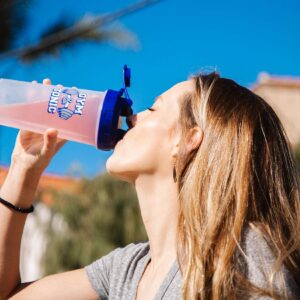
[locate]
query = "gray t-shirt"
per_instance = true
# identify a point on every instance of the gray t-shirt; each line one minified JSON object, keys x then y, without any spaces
{"x":116,"y":275}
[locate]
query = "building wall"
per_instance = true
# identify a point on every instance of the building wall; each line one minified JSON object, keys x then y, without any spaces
{"x":34,"y":243}
{"x":284,"y":97}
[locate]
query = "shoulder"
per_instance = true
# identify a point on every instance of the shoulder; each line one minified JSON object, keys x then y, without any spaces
{"x":123,"y":255}
{"x":129,"y":253}
{"x":260,"y":262}
{"x":258,"y":256}
{"x":256,"y":247}
{"x":113,"y":269}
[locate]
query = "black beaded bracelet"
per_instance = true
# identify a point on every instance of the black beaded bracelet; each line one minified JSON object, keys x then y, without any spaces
{"x":16,"y":208}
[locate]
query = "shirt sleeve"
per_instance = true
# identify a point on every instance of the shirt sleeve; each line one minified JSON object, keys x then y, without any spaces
{"x":99,"y":271}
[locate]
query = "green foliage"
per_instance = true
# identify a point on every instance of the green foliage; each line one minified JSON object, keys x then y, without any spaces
{"x":104,"y":215}
{"x":297,"y":156}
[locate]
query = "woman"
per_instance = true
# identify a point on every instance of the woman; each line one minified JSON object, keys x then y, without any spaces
{"x":218,"y":192}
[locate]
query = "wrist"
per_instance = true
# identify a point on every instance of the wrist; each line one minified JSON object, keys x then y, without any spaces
{"x":26,"y":167}
{"x":24,"y":173}
{"x":20,"y":185}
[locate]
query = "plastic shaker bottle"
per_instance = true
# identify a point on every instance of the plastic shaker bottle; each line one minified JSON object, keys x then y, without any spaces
{"x":86,"y":116}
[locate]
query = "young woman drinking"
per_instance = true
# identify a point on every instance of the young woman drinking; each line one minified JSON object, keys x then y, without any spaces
{"x":219,"y":197}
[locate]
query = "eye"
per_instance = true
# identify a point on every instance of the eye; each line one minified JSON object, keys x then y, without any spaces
{"x":150,"y":109}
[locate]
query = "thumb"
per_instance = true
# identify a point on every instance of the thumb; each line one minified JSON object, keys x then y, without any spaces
{"x":50,"y":138}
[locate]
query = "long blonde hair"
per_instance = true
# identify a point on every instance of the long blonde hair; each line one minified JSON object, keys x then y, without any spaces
{"x":243,"y":173}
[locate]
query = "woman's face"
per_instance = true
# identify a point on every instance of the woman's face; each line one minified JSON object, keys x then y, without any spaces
{"x":149,"y":147}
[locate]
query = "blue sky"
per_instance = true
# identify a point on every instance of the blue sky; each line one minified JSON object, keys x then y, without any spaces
{"x":240,"y":39}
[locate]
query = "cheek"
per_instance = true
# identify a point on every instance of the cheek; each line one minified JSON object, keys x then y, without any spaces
{"x":144,"y":148}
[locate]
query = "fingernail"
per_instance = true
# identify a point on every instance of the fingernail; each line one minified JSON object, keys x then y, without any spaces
{"x":52,"y":132}
{"x":46,"y":80}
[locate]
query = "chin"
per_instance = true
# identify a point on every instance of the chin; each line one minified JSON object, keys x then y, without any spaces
{"x":115,"y":169}
{"x":115,"y":164}
{"x":109,"y":165}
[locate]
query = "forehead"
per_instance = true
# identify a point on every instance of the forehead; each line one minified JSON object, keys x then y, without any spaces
{"x":178,"y":90}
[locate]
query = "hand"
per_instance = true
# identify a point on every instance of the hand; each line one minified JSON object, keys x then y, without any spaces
{"x":34,"y":151}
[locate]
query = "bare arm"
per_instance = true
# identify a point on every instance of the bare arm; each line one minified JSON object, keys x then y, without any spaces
{"x":20,"y":188}
{"x":69,"y":285}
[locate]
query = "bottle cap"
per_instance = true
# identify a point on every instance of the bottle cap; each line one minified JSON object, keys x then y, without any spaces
{"x":114,"y":106}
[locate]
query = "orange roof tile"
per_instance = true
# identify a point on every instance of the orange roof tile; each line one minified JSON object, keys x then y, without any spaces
{"x":265,"y":79}
{"x":48,"y":183}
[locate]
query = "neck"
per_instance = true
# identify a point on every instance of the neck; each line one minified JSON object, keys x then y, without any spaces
{"x":159,"y":209}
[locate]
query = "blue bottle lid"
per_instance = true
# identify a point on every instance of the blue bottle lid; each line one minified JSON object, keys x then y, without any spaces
{"x":114,"y":106}
{"x":126,"y":76}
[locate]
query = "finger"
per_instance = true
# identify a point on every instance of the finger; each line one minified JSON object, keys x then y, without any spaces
{"x":50,"y":138}
{"x":46,"y":81}
{"x":59,"y":144}
{"x":60,"y":140}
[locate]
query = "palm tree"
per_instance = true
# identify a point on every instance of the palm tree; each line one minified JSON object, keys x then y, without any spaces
{"x":12,"y":20}
{"x":61,"y":33}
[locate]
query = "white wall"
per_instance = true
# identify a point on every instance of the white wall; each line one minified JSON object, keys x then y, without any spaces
{"x":34,"y":241}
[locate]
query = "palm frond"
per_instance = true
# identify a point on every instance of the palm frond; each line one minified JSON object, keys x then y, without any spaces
{"x":89,"y":28}
{"x":118,"y":35}
{"x":12,"y":21}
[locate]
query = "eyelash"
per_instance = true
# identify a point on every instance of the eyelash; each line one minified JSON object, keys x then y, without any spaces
{"x":150,"y":109}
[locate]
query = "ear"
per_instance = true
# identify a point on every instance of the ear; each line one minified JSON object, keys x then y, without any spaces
{"x":193,"y":141}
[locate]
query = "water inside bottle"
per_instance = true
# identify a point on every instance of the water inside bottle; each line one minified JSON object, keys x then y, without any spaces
{"x":36,"y":117}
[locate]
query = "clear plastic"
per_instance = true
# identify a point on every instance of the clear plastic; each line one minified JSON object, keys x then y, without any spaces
{"x":73,"y":112}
